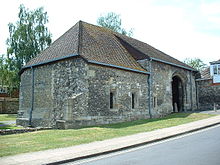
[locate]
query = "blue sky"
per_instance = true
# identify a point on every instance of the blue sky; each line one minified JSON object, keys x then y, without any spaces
{"x":180,"y":28}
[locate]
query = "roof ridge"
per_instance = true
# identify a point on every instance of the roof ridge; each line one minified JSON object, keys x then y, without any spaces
{"x":152,"y":47}
{"x":117,"y":38}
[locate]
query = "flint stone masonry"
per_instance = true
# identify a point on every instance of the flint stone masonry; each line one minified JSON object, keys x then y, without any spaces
{"x":72,"y":93}
{"x":54,"y":86}
{"x":9,"y":105}
{"x":92,"y":75}
{"x":208,"y":95}
{"x":162,"y":75}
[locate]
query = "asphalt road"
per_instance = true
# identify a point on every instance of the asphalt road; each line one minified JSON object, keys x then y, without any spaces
{"x":202,"y":148}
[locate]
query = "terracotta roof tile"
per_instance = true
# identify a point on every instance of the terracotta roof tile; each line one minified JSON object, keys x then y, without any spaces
{"x":151,"y":51}
{"x":101,"y":45}
{"x":65,"y":45}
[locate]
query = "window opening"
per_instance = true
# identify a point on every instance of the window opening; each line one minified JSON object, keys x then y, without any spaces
{"x":111,"y":100}
{"x":215,"y":69}
{"x":132,"y":100}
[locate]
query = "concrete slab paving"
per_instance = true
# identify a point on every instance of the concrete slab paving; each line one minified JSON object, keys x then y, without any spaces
{"x":106,"y":146}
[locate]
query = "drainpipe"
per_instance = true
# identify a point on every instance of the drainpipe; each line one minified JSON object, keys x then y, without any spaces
{"x":197,"y":98}
{"x":32,"y":97}
{"x":150,"y":89}
{"x":191,"y":94}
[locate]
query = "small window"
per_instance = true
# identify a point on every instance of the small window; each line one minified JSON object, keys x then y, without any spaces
{"x":155,"y":102}
{"x":132,"y":100}
{"x":111,"y":100}
{"x":215,"y":69}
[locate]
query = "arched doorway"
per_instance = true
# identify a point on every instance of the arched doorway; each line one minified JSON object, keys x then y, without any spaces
{"x":177,"y":94}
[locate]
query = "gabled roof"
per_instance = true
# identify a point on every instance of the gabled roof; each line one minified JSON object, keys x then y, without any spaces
{"x":104,"y":47}
{"x":155,"y":54}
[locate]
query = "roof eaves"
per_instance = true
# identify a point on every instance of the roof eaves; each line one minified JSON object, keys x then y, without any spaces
{"x":177,"y":65}
{"x":156,"y":59}
{"x":215,"y":62}
{"x":49,"y":61}
{"x":118,"y":67}
{"x":203,"y":79}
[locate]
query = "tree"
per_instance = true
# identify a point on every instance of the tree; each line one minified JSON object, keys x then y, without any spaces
{"x":28,"y":36}
{"x":113,"y":21}
{"x":196,"y":63}
{"x":7,"y":77}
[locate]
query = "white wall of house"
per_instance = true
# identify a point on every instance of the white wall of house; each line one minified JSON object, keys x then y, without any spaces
{"x":215,"y":72}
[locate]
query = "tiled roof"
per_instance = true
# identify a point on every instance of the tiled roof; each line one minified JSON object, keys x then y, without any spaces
{"x":205,"y":74}
{"x":64,"y":46}
{"x":152,"y":52}
{"x":101,"y":45}
{"x":215,"y":62}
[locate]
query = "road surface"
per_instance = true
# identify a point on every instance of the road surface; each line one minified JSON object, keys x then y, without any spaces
{"x":201,"y":148}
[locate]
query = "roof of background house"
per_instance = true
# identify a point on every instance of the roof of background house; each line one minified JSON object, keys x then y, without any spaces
{"x":102,"y":46}
{"x":205,"y":74}
{"x":215,"y":62}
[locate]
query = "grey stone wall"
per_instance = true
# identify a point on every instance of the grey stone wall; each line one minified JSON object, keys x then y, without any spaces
{"x":208,"y":94}
{"x":162,"y":75}
{"x":56,"y":87}
{"x":9,"y":105}
{"x":101,"y":81}
{"x":72,"y":93}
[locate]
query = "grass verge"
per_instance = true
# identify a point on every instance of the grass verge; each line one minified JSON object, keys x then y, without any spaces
{"x":7,"y":117}
{"x":50,"y":139}
{"x":6,"y":126}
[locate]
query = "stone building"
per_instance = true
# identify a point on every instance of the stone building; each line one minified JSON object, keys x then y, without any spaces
{"x":92,"y":75}
{"x":209,"y":87}
{"x":9,"y":102}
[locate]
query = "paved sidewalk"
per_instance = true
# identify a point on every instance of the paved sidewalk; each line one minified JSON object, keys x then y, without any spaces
{"x":9,"y":122}
{"x":100,"y":147}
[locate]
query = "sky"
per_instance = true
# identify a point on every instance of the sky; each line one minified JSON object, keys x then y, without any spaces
{"x":180,"y":28}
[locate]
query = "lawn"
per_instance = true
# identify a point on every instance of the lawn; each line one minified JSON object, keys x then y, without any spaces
{"x":50,"y":139}
{"x":7,"y":126}
{"x":7,"y":117}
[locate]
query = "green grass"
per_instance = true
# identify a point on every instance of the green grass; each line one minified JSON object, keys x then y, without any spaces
{"x":50,"y":139}
{"x":6,"y":126}
{"x":7,"y":117}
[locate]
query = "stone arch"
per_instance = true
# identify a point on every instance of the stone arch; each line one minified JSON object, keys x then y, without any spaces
{"x":178,"y":85}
